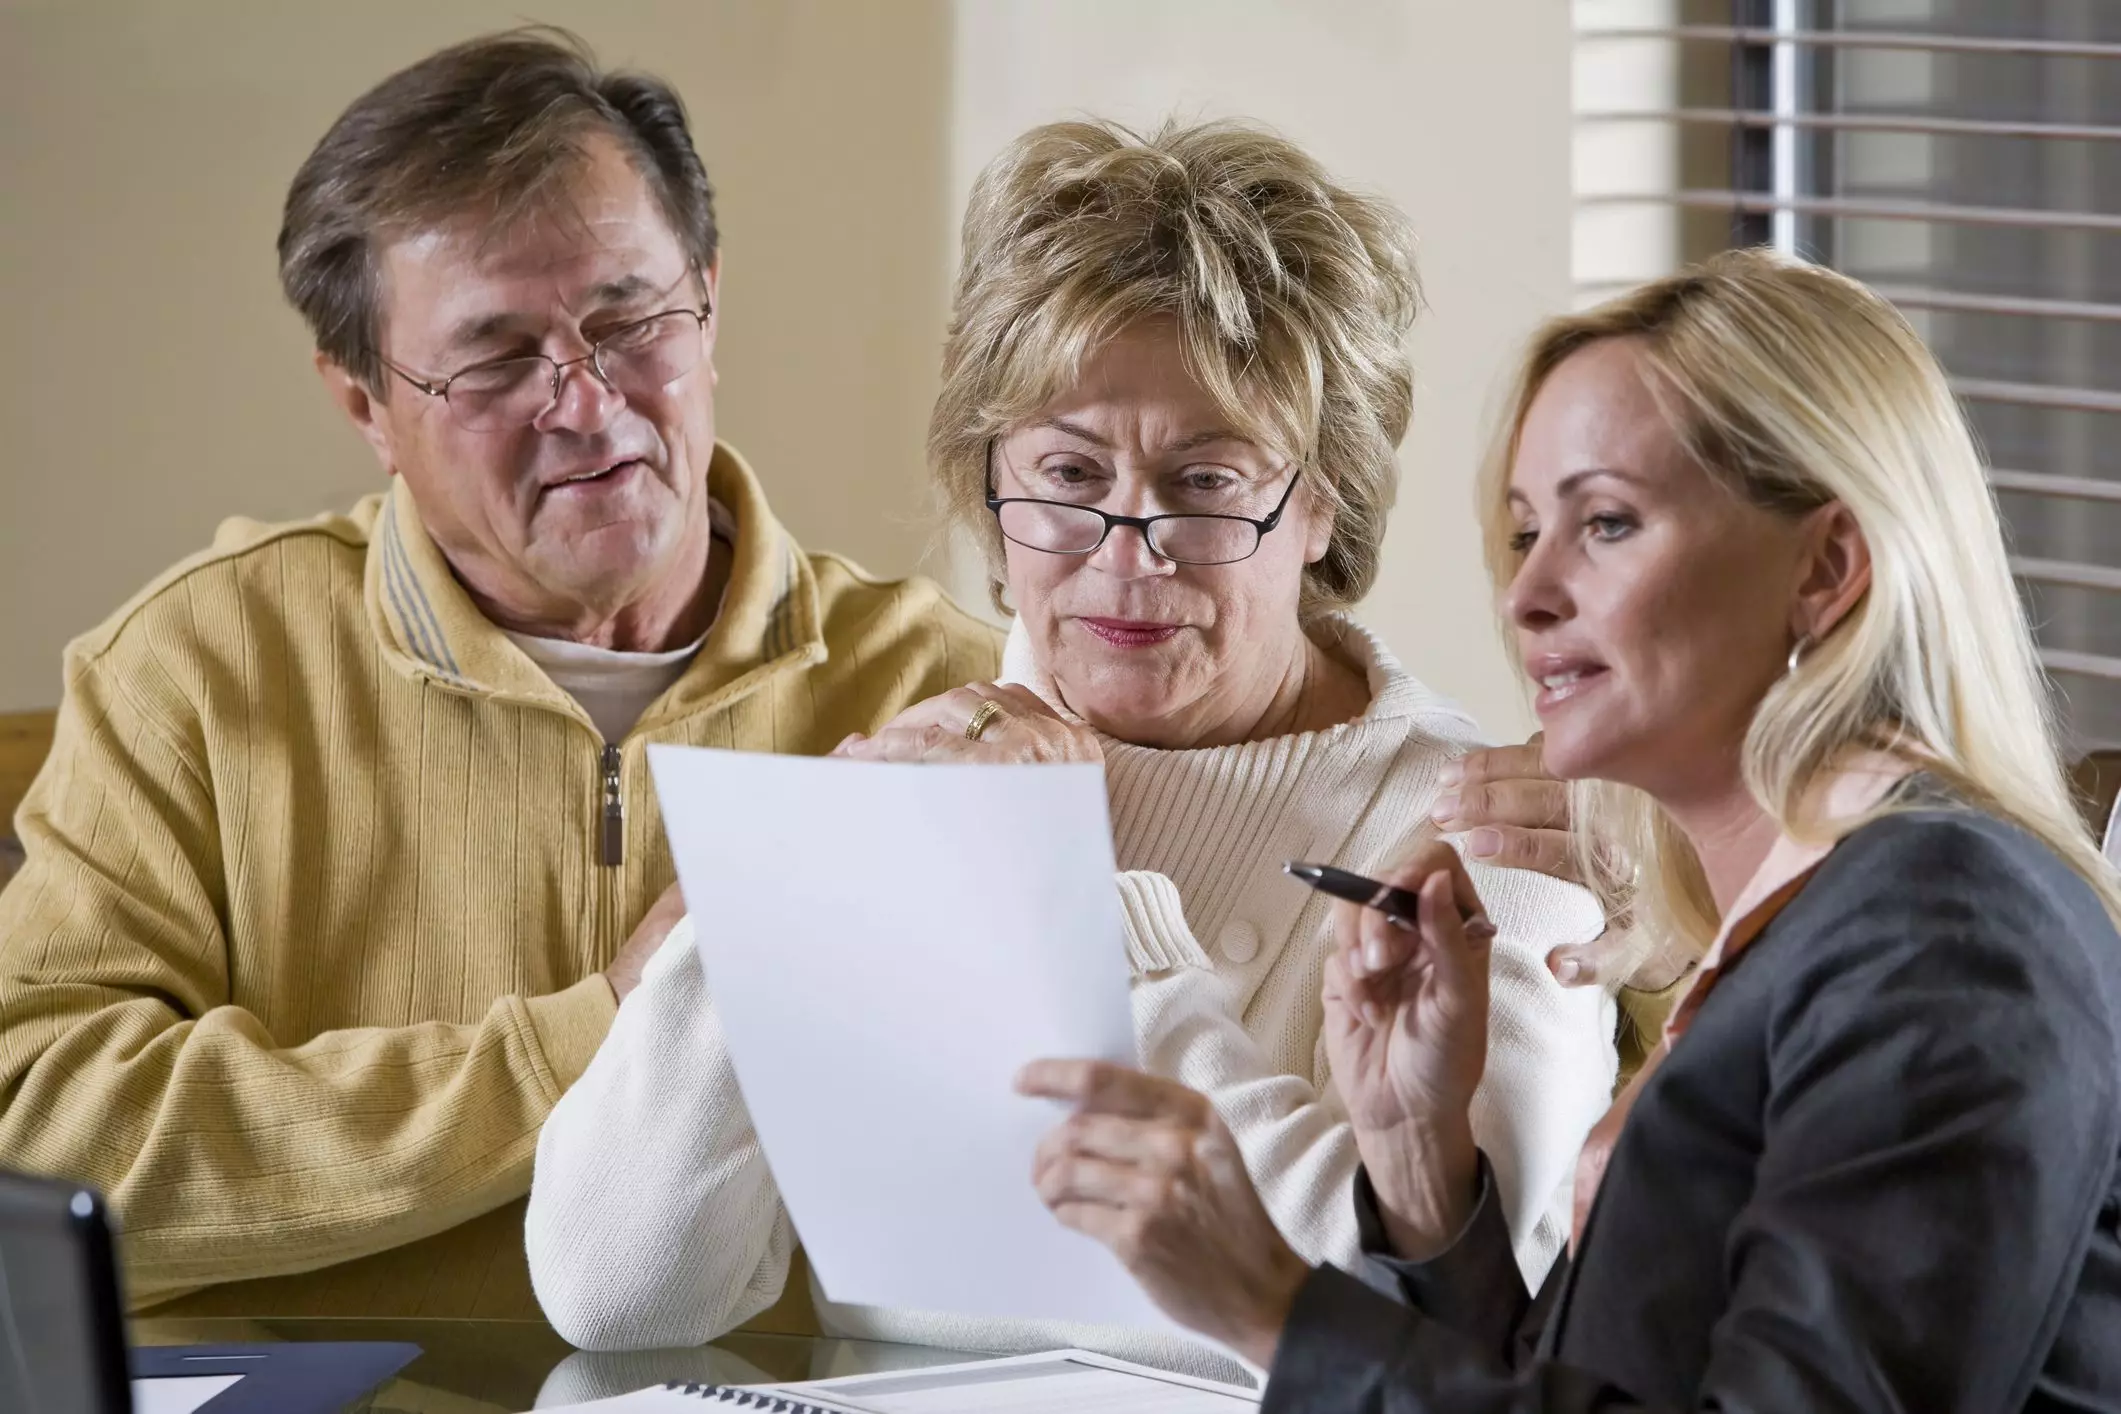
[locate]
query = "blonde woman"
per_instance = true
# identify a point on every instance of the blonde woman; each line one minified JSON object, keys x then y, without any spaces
{"x":1171,"y":395}
{"x":1743,"y":540}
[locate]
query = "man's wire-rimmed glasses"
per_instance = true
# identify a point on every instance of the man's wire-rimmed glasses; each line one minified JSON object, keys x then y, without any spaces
{"x":635,"y":359}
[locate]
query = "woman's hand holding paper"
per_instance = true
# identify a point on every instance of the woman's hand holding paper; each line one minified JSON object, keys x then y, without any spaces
{"x":1147,"y":1168}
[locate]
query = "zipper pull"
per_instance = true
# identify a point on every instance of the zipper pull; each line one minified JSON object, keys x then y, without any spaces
{"x":614,"y":814}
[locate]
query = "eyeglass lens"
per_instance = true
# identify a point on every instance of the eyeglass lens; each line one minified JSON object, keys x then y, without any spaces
{"x":636,"y":360}
{"x":1076,"y":530}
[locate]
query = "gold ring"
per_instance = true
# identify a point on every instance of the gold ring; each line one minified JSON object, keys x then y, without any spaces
{"x":987,"y":711}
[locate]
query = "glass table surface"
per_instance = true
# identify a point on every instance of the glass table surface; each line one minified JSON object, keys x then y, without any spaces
{"x":500,"y":1367}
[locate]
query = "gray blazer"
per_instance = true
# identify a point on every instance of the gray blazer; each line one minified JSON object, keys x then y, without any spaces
{"x":1881,"y":1171}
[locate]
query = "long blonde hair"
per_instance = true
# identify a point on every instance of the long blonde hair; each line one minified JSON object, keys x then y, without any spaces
{"x":1796,"y":386}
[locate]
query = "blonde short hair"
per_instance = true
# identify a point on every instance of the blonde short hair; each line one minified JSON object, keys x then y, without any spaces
{"x":1291,"y":296}
{"x":1795,"y":387}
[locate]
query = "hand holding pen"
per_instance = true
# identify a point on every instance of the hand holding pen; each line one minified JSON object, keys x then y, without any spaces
{"x":1411,"y":948}
{"x":1406,"y":1031}
{"x":1398,"y":905}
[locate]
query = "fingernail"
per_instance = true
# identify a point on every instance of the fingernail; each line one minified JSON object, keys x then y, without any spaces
{"x":1568,"y":970}
{"x":1478,"y":929}
{"x":1373,"y":955}
{"x":1404,"y":925}
{"x":1446,"y":807}
{"x":1451,"y":774}
{"x":1483,"y":843}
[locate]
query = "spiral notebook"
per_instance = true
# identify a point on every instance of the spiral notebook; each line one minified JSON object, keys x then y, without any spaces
{"x":1059,"y":1382}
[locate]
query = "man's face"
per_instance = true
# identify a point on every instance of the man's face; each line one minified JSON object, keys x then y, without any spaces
{"x":599,"y":505}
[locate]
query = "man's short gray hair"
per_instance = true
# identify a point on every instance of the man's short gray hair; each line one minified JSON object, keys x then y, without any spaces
{"x":485,"y":128}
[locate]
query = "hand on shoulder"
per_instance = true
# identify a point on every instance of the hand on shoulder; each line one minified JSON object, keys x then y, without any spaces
{"x":1512,"y":812}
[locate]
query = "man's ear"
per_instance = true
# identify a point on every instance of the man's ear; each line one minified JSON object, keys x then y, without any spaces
{"x":362,"y":408}
{"x":1837,"y":573}
{"x":711,"y":277}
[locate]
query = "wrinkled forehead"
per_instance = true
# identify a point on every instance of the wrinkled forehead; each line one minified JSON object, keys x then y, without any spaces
{"x":1113,"y":362}
{"x":594,"y":238}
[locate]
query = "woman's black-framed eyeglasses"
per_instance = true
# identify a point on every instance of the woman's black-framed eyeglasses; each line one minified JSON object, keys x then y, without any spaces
{"x":1062,"y":528}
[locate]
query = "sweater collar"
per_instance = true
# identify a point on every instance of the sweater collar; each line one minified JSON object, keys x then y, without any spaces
{"x":429,"y":627}
{"x":1395,"y":694}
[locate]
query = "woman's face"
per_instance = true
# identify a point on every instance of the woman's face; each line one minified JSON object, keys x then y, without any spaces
{"x":1653,"y":607}
{"x":1146,"y":650}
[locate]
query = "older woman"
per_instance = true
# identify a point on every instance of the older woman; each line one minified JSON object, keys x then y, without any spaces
{"x":1171,"y":396}
{"x":1753,"y":567}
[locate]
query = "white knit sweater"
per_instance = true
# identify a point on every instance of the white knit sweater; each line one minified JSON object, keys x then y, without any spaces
{"x":654,"y":1220}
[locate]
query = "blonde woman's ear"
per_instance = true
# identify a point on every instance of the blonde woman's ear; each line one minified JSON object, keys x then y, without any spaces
{"x":1837,"y":575}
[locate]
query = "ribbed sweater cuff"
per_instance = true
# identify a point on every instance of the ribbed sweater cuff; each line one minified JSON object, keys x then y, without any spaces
{"x":1158,"y":939}
{"x":568,"y":1026}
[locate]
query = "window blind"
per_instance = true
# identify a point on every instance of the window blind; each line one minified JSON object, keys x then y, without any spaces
{"x":1961,"y":156}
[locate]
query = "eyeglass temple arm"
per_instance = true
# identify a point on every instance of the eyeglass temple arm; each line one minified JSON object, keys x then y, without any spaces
{"x":432,"y":390}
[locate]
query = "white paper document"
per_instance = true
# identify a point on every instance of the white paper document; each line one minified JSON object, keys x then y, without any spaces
{"x":178,"y":1394}
{"x":886,"y":946}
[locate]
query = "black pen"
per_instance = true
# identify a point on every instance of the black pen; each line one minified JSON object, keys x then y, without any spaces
{"x":1396,"y":904}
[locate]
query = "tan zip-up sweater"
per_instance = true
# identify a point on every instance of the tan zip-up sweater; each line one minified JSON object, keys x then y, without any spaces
{"x":321,"y":876}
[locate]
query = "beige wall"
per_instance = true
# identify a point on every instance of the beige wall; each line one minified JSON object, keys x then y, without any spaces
{"x":153,"y":382}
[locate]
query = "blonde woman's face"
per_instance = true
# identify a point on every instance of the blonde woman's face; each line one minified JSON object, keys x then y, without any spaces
{"x":1145,"y":649}
{"x":1653,"y":608}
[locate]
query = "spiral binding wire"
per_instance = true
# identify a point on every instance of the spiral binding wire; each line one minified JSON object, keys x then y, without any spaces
{"x":758,"y":1399}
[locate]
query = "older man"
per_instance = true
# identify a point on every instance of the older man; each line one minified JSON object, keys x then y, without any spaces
{"x":346,"y":850}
